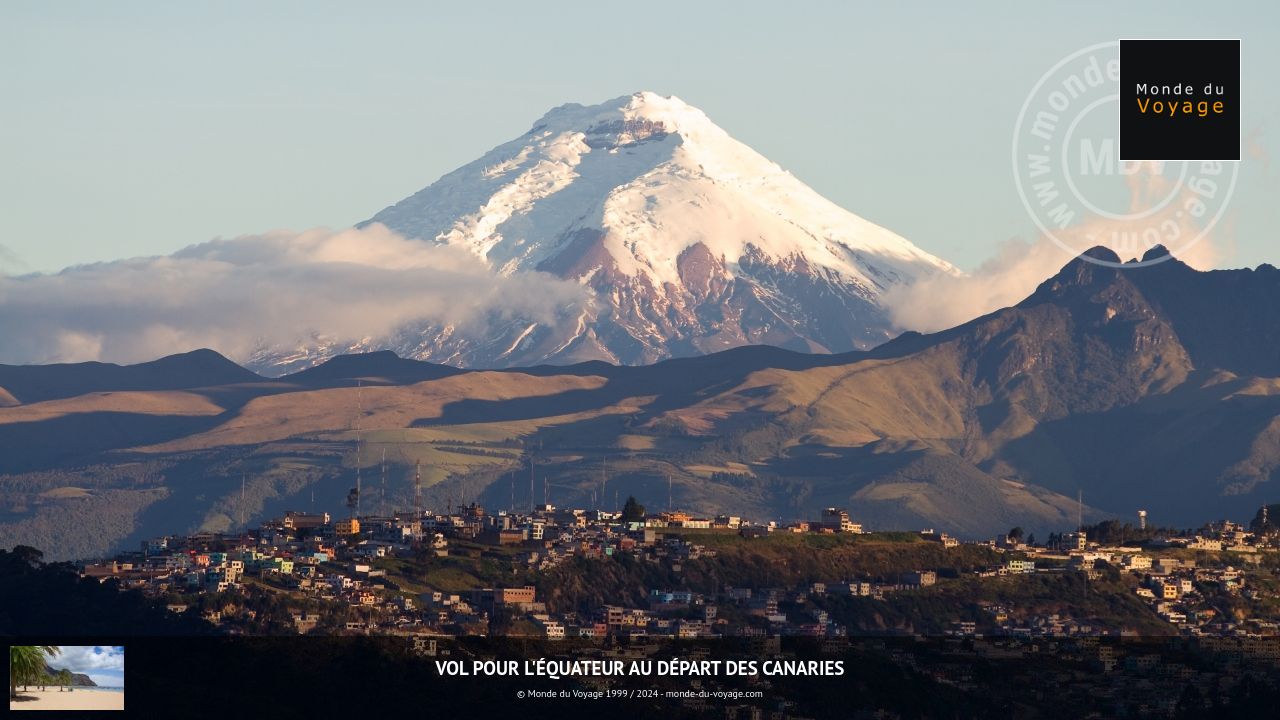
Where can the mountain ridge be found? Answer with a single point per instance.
(196, 368)
(77, 679)
(1105, 382)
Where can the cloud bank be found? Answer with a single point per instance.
(280, 289)
(944, 301)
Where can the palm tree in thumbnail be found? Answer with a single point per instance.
(26, 664)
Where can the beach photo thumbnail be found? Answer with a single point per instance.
(66, 677)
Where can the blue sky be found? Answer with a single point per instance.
(137, 128)
(104, 664)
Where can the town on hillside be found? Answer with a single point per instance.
(557, 573)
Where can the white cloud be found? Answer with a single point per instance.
(943, 301)
(275, 289)
(104, 664)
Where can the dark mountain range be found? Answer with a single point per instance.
(198, 368)
(380, 367)
(1155, 388)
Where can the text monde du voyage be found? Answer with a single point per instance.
(555, 669)
(1180, 99)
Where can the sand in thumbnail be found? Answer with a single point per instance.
(55, 699)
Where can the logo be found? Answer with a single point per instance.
(1180, 99)
(1080, 194)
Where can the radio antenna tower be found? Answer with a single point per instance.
(417, 489)
(359, 412)
(382, 500)
(242, 499)
(1079, 510)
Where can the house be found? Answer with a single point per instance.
(1074, 541)
(371, 549)
(276, 565)
(1201, 543)
(553, 629)
(674, 518)
(691, 629)
(105, 570)
(919, 578)
(837, 520)
(305, 623)
(940, 537)
(593, 631)
(304, 521)
(424, 645)
(1017, 566)
(1136, 562)
(494, 597)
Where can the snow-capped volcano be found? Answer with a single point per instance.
(687, 240)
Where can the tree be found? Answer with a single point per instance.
(632, 511)
(64, 677)
(26, 664)
(27, 555)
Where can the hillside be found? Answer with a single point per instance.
(1105, 382)
(77, 679)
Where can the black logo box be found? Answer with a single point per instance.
(1182, 65)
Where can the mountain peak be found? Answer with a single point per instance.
(1101, 253)
(650, 176)
(1080, 272)
(378, 367)
(668, 110)
(686, 241)
(1156, 252)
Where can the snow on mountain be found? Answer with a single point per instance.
(690, 242)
